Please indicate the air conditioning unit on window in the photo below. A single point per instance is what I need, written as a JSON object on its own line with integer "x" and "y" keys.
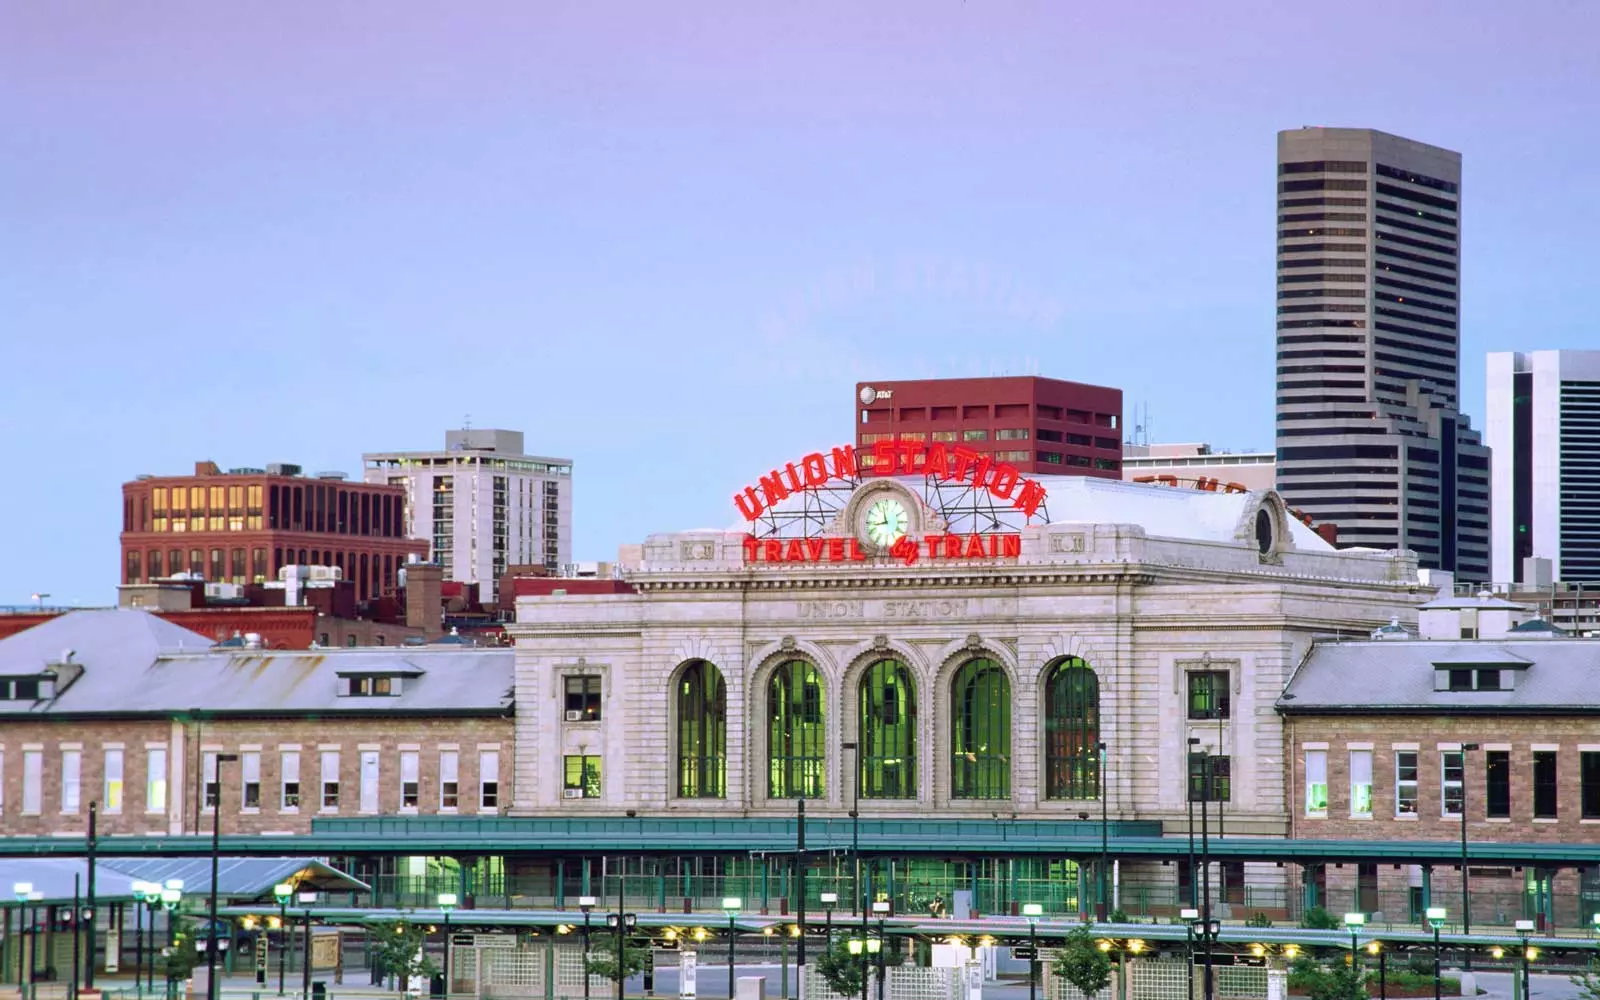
{"x": 574, "y": 715}
{"x": 572, "y": 793}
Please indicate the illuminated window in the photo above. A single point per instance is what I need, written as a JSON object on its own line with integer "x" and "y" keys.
{"x": 197, "y": 498}
{"x": 1316, "y": 782}
{"x": 974, "y": 435}
{"x": 887, "y": 719}
{"x": 1011, "y": 434}
{"x": 944, "y": 435}
{"x": 702, "y": 732}
{"x": 197, "y": 523}
{"x": 254, "y": 495}
{"x": 155, "y": 782}
{"x": 583, "y": 698}
{"x": 796, "y": 762}
{"x": 218, "y": 499}
{"x": 113, "y": 781}
{"x": 581, "y": 775}
{"x": 180, "y": 500}
{"x": 1072, "y": 731}
{"x": 235, "y": 498}
{"x": 1213, "y": 769}
{"x": 980, "y": 701}
{"x": 1210, "y": 696}
{"x": 158, "y": 499}
{"x": 1361, "y": 783}
{"x": 1011, "y": 456}
{"x": 158, "y": 524}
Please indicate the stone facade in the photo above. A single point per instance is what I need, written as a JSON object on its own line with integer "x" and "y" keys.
{"x": 1144, "y": 584}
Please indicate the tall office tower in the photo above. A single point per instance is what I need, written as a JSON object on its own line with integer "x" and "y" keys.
{"x": 1544, "y": 427}
{"x": 1370, "y": 435}
{"x": 483, "y": 504}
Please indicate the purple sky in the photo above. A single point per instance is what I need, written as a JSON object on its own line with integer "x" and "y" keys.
{"x": 665, "y": 240}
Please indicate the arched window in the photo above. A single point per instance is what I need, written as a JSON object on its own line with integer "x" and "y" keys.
{"x": 980, "y": 743}
{"x": 888, "y": 722}
{"x": 1072, "y": 731}
{"x": 702, "y": 732}
{"x": 796, "y": 730}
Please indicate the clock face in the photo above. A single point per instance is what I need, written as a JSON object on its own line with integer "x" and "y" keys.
{"x": 886, "y": 522}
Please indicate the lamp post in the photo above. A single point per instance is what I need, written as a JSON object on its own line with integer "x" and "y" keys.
{"x": 1105, "y": 824}
{"x": 621, "y": 922}
{"x": 1033, "y": 911}
{"x": 856, "y": 946}
{"x": 1189, "y": 915}
{"x": 1466, "y": 903}
{"x": 306, "y": 900}
{"x": 1376, "y": 948}
{"x": 1524, "y": 928}
{"x": 447, "y": 902}
{"x": 152, "y": 901}
{"x": 212, "y": 990}
{"x": 171, "y": 896}
{"x": 855, "y": 826}
{"x": 586, "y": 904}
{"x": 22, "y": 890}
{"x": 881, "y": 909}
{"x": 1436, "y": 915}
{"x": 731, "y": 906}
{"x": 829, "y": 901}
{"x": 1354, "y": 922}
{"x": 137, "y": 887}
{"x": 282, "y": 892}
{"x": 1188, "y": 793}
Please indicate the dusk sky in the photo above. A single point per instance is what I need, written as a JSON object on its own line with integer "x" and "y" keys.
{"x": 665, "y": 240}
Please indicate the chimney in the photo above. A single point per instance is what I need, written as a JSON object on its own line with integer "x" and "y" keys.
{"x": 206, "y": 468}
{"x": 1329, "y": 533}
{"x": 424, "y": 606}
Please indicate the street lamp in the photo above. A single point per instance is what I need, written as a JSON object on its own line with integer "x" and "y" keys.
{"x": 137, "y": 887}
{"x": 447, "y": 902}
{"x": 586, "y": 904}
{"x": 282, "y": 892}
{"x": 831, "y": 899}
{"x": 1189, "y": 915}
{"x": 1105, "y": 823}
{"x": 1466, "y": 903}
{"x": 1376, "y": 948}
{"x": 152, "y": 900}
{"x": 856, "y": 946}
{"x": 881, "y": 908}
{"x": 1033, "y": 911}
{"x": 730, "y": 906}
{"x": 22, "y": 890}
{"x": 1436, "y": 915}
{"x": 855, "y": 825}
{"x": 622, "y": 922}
{"x": 171, "y": 896}
{"x": 1524, "y": 928}
{"x": 212, "y": 989}
{"x": 1354, "y": 922}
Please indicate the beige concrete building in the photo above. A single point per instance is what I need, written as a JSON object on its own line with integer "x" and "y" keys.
{"x": 1191, "y": 464}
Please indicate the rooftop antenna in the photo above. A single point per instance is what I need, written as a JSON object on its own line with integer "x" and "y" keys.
{"x": 466, "y": 422}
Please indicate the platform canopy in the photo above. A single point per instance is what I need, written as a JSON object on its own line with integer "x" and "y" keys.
{"x": 239, "y": 879}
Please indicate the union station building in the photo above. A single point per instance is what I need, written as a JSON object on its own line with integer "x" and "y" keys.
{"x": 918, "y": 645}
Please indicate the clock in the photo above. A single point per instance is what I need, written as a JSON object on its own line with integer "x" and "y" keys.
{"x": 886, "y": 522}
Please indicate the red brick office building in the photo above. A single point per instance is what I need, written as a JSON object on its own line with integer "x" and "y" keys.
{"x": 244, "y": 525}
{"x": 1043, "y": 426}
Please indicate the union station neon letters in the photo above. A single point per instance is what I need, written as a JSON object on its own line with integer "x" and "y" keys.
{"x": 889, "y": 458}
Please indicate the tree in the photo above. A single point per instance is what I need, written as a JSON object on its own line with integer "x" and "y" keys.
{"x": 1341, "y": 982}
{"x": 842, "y": 970}
{"x": 1588, "y": 985}
{"x": 603, "y": 957}
{"x": 177, "y": 962}
{"x": 398, "y": 950}
{"x": 1081, "y": 962}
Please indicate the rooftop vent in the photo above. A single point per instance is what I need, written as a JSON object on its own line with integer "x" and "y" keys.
{"x": 283, "y": 469}
{"x": 332, "y": 475}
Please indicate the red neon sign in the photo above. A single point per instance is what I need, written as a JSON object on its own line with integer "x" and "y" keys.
{"x": 907, "y": 549}
{"x": 1002, "y": 480}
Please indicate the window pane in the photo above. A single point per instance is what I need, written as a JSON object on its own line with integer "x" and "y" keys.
{"x": 795, "y": 731}
{"x": 1072, "y": 731}
{"x": 980, "y": 764}
{"x": 1405, "y": 794}
{"x": 113, "y": 791}
{"x": 702, "y": 731}
{"x": 155, "y": 799}
{"x": 1544, "y": 784}
{"x": 1316, "y": 781}
{"x": 887, "y": 721}
{"x": 1589, "y": 783}
{"x": 1497, "y": 782}
{"x": 1361, "y": 782}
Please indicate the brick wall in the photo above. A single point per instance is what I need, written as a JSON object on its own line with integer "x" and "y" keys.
{"x": 1516, "y": 734}
{"x": 270, "y": 738}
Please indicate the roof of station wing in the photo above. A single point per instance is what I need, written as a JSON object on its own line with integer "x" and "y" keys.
{"x": 1541, "y": 676}
{"x": 57, "y": 879}
{"x": 133, "y": 663}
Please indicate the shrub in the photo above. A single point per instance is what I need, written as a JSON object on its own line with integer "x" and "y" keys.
{"x": 1081, "y": 962}
{"x": 1118, "y": 917}
{"x": 1259, "y": 919}
{"x": 1319, "y": 919}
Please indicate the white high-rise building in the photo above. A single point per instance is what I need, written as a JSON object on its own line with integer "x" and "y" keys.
{"x": 1544, "y": 427}
{"x": 483, "y": 505}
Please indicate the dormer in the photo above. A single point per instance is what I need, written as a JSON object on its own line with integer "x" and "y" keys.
{"x": 1478, "y": 670}
{"x": 41, "y": 685}
{"x": 377, "y": 682}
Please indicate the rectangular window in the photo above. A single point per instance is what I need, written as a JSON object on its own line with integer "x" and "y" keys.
{"x": 1544, "y": 784}
{"x": 409, "y": 782}
{"x": 1221, "y": 777}
{"x": 974, "y": 435}
{"x": 71, "y": 773}
{"x": 583, "y": 699}
{"x": 1405, "y": 783}
{"x": 113, "y": 781}
{"x": 369, "y": 781}
{"x": 1361, "y": 782}
{"x": 209, "y": 779}
{"x": 1589, "y": 784}
{"x": 330, "y": 781}
{"x": 449, "y": 789}
{"x": 32, "y": 782}
{"x": 581, "y": 777}
{"x": 1316, "y": 782}
{"x": 1497, "y": 784}
{"x": 155, "y": 780}
{"x": 290, "y": 780}
{"x": 489, "y": 780}
{"x": 250, "y": 778}
{"x": 1451, "y": 769}
{"x": 1209, "y": 695}
{"x": 1011, "y": 434}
